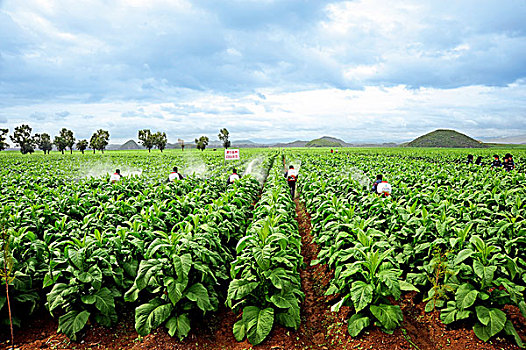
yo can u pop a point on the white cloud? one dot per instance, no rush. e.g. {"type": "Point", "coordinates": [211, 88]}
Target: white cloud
{"type": "Point", "coordinates": [385, 114]}
{"type": "Point", "coordinates": [269, 69]}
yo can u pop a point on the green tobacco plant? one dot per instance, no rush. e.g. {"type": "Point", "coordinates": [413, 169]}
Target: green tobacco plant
{"type": "Point", "coordinates": [86, 282]}
{"type": "Point", "coordinates": [265, 275]}
{"type": "Point", "coordinates": [484, 281]}
{"type": "Point", "coordinates": [366, 281]}
{"type": "Point", "coordinates": [22, 270]}
{"type": "Point", "coordinates": [182, 271]}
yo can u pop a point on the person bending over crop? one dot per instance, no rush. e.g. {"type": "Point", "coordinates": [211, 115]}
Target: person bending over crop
{"type": "Point", "coordinates": [116, 176]}
{"type": "Point", "coordinates": [175, 175]}
{"type": "Point", "coordinates": [496, 162]}
{"type": "Point", "coordinates": [508, 164]}
{"type": "Point", "coordinates": [381, 187]}
{"type": "Point", "coordinates": [292, 177]}
{"type": "Point", "coordinates": [469, 160]}
{"type": "Point", "coordinates": [233, 177]}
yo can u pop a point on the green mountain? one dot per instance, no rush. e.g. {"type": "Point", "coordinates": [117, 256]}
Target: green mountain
{"type": "Point", "coordinates": [130, 145]}
{"type": "Point", "coordinates": [326, 141]}
{"type": "Point", "coordinates": [446, 138]}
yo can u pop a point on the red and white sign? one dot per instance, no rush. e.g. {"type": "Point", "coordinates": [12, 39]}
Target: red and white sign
{"type": "Point", "coordinates": [231, 154]}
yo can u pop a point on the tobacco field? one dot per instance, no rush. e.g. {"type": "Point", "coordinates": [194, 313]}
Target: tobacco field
{"type": "Point", "coordinates": [84, 253]}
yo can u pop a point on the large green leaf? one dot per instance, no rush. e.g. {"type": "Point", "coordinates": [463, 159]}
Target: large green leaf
{"type": "Point", "coordinates": [199, 294]}
{"type": "Point", "coordinates": [76, 257]}
{"type": "Point", "coordinates": [262, 256]}
{"type": "Point", "coordinates": [179, 324]}
{"type": "Point", "coordinates": [182, 266]}
{"type": "Point", "coordinates": [54, 297]}
{"type": "Point", "coordinates": [510, 330]}
{"type": "Point", "coordinates": [174, 289]}
{"type": "Point", "coordinates": [279, 277]}
{"type": "Point", "coordinates": [151, 315]}
{"type": "Point", "coordinates": [290, 318]}
{"type": "Point", "coordinates": [449, 314]}
{"type": "Point", "coordinates": [72, 322]}
{"type": "Point", "coordinates": [102, 299]}
{"type": "Point", "coordinates": [280, 301]}
{"type": "Point", "coordinates": [239, 330]}
{"type": "Point", "coordinates": [390, 316]}
{"type": "Point", "coordinates": [492, 321]}
{"type": "Point", "coordinates": [358, 323]}
{"type": "Point", "coordinates": [465, 296]}
{"type": "Point", "coordinates": [407, 287]}
{"type": "Point", "coordinates": [484, 272]}
{"type": "Point", "coordinates": [238, 289]}
{"type": "Point", "coordinates": [132, 294]}
{"type": "Point", "coordinates": [361, 295]}
{"type": "Point", "coordinates": [463, 255]}
{"type": "Point", "coordinates": [258, 323]}
{"type": "Point", "coordinates": [147, 270]}
{"type": "Point", "coordinates": [522, 307]}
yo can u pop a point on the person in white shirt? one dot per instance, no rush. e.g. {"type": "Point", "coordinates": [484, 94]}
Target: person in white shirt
{"type": "Point", "coordinates": [292, 177]}
{"type": "Point", "coordinates": [175, 175]}
{"type": "Point", "coordinates": [116, 176]}
{"type": "Point", "coordinates": [233, 177]}
{"type": "Point", "coordinates": [381, 186]}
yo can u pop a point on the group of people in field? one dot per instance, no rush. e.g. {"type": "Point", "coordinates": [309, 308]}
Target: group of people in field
{"type": "Point", "coordinates": [291, 175]}
{"type": "Point", "coordinates": [380, 186]}
{"type": "Point", "coordinates": [507, 163]}
{"type": "Point", "coordinates": [173, 176]}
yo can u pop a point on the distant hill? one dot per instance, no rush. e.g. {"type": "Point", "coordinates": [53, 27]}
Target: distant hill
{"type": "Point", "coordinates": [297, 143]}
{"type": "Point", "coordinates": [130, 145]}
{"type": "Point", "coordinates": [326, 141]}
{"type": "Point", "coordinates": [446, 138]}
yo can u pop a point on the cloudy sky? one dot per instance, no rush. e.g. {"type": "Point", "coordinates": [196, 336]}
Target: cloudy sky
{"type": "Point", "coordinates": [268, 70]}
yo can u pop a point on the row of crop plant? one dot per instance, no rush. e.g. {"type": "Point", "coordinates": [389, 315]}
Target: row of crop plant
{"type": "Point", "coordinates": [460, 245]}
{"type": "Point", "coordinates": [87, 247]}
{"type": "Point", "coordinates": [266, 272]}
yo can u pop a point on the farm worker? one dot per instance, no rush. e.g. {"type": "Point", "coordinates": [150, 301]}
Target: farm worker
{"type": "Point", "coordinates": [292, 177]}
{"type": "Point", "coordinates": [470, 159]}
{"type": "Point", "coordinates": [381, 187]}
{"type": "Point", "coordinates": [508, 164]}
{"type": "Point", "coordinates": [116, 176]}
{"type": "Point", "coordinates": [331, 150]}
{"type": "Point", "coordinates": [174, 175]}
{"type": "Point", "coordinates": [496, 162]}
{"type": "Point", "coordinates": [233, 177]}
{"type": "Point", "coordinates": [479, 160]}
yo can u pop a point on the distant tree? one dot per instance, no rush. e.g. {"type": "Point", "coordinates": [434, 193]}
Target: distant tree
{"type": "Point", "coordinates": [3, 137]}
{"type": "Point", "coordinates": [59, 143]}
{"type": "Point", "coordinates": [99, 140]}
{"type": "Point", "coordinates": [65, 140]}
{"type": "Point", "coordinates": [202, 142]}
{"type": "Point", "coordinates": [160, 140]}
{"type": "Point", "coordinates": [82, 145]}
{"type": "Point", "coordinates": [93, 142]}
{"type": "Point", "coordinates": [67, 135]}
{"type": "Point", "coordinates": [223, 137]}
{"type": "Point", "coordinates": [146, 138]}
{"type": "Point", "coordinates": [22, 137]}
{"type": "Point", "coordinates": [43, 142]}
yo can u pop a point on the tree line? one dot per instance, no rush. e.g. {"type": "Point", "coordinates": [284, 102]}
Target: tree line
{"type": "Point", "coordinates": [23, 138]}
